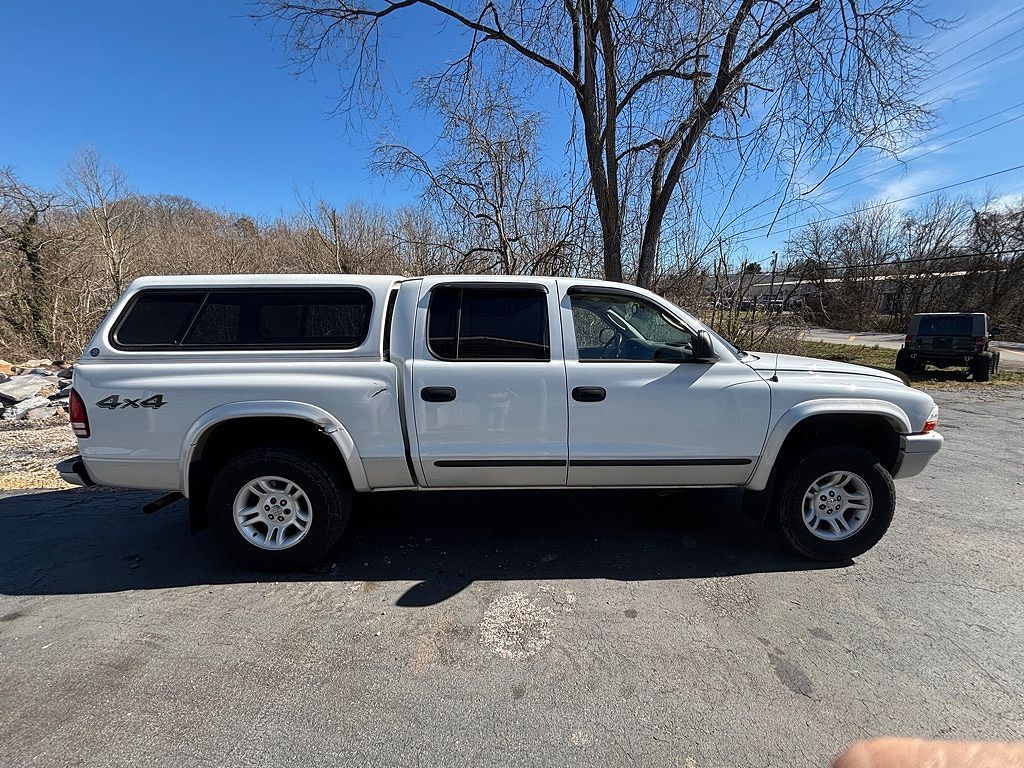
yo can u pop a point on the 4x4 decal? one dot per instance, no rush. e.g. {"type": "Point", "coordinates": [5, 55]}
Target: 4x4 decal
{"type": "Point", "coordinates": [114, 402]}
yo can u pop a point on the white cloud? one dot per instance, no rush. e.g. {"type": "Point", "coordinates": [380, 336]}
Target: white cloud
{"type": "Point", "coordinates": [1011, 200]}
{"type": "Point", "coordinates": [912, 183]}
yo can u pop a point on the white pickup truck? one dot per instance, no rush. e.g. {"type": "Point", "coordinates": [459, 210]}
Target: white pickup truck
{"type": "Point", "coordinates": [268, 400]}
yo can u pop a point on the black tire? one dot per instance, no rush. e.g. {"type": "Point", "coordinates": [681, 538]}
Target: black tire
{"type": "Point", "coordinates": [329, 497]}
{"type": "Point", "coordinates": [981, 366]}
{"type": "Point", "coordinates": [787, 511]}
{"type": "Point", "coordinates": [907, 364]}
{"type": "Point", "coordinates": [903, 361]}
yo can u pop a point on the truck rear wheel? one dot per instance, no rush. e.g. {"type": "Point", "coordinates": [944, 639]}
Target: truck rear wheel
{"type": "Point", "coordinates": [275, 509]}
{"type": "Point", "coordinates": [834, 504]}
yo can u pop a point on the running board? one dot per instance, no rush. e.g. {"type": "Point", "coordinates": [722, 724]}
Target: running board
{"type": "Point", "coordinates": [164, 501]}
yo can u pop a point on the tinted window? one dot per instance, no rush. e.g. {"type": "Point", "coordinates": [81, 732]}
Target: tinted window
{"type": "Point", "coordinates": [155, 319]}
{"type": "Point", "coordinates": [218, 323]}
{"type": "Point", "coordinates": [272, 319]}
{"type": "Point", "coordinates": [949, 325]}
{"type": "Point", "coordinates": [280, 321]}
{"type": "Point", "coordinates": [488, 324]}
{"type": "Point", "coordinates": [622, 327]}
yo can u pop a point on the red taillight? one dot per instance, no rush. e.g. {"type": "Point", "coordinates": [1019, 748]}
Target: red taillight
{"type": "Point", "coordinates": [76, 413]}
{"type": "Point", "coordinates": [932, 421]}
{"type": "Point", "coordinates": [909, 339]}
{"type": "Point", "coordinates": [979, 340]}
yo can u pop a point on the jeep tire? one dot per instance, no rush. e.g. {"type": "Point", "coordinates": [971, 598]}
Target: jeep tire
{"type": "Point", "coordinates": [982, 366]}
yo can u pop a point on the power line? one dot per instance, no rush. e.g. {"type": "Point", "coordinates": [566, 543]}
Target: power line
{"type": "Point", "coordinates": [924, 141]}
{"type": "Point", "coordinates": [944, 83]}
{"type": "Point", "coordinates": [930, 138]}
{"type": "Point", "coordinates": [924, 154]}
{"type": "Point", "coordinates": [884, 203]}
{"type": "Point", "coordinates": [972, 55]}
{"type": "Point", "coordinates": [868, 164]}
{"type": "Point", "coordinates": [995, 23]}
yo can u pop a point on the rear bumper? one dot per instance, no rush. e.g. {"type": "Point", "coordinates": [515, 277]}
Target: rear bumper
{"type": "Point", "coordinates": [73, 471]}
{"type": "Point", "coordinates": [944, 355]}
{"type": "Point", "coordinates": [915, 452]}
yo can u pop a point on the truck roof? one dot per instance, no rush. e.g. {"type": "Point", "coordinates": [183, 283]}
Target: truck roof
{"type": "Point", "coordinates": [261, 280]}
{"type": "Point", "coordinates": [370, 281]}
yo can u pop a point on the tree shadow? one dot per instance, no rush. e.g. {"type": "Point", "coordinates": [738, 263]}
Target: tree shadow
{"type": "Point", "coordinates": [89, 541]}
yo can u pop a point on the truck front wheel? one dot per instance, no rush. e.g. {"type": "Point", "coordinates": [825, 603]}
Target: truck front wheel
{"type": "Point", "coordinates": [275, 509]}
{"type": "Point", "coordinates": [834, 503]}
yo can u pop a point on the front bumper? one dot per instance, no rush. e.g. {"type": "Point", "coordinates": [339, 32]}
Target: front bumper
{"type": "Point", "coordinates": [916, 451]}
{"type": "Point", "coordinates": [73, 471]}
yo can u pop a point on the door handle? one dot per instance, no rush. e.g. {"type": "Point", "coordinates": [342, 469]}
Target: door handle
{"type": "Point", "coordinates": [588, 394]}
{"type": "Point", "coordinates": [438, 394]}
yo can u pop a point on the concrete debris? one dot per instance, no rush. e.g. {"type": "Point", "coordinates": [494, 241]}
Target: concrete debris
{"type": "Point", "coordinates": [22, 387]}
{"type": "Point", "coordinates": [35, 391]}
{"type": "Point", "coordinates": [22, 409]}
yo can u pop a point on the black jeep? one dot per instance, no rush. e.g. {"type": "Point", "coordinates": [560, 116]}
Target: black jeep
{"type": "Point", "coordinates": [947, 339]}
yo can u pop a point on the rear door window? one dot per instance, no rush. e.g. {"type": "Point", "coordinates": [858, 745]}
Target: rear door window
{"type": "Point", "coordinates": [471, 323]}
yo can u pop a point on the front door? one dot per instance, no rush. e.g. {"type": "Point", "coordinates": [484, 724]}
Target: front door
{"type": "Point", "coordinates": [642, 411]}
{"type": "Point", "coordinates": [489, 399]}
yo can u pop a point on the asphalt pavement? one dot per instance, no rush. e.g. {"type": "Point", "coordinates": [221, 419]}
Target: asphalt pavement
{"type": "Point", "coordinates": [520, 628]}
{"type": "Point", "coordinates": [1011, 356]}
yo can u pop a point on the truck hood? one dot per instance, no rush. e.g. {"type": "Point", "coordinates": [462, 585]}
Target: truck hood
{"type": "Point", "coordinates": [766, 364]}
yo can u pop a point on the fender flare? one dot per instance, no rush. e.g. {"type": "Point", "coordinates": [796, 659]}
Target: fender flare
{"type": "Point", "coordinates": [272, 408]}
{"type": "Point", "coordinates": [825, 406]}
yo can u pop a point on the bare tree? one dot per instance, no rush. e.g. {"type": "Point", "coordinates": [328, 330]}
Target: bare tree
{"type": "Point", "coordinates": [100, 193]}
{"type": "Point", "coordinates": [664, 87]}
{"type": "Point", "coordinates": [489, 188]}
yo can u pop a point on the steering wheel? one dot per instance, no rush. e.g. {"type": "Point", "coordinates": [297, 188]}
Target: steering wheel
{"type": "Point", "coordinates": [610, 349]}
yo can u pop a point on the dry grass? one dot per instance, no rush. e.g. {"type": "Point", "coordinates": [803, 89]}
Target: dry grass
{"type": "Point", "coordinates": [932, 378]}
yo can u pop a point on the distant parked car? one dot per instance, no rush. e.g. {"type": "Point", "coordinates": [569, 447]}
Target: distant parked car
{"type": "Point", "coordinates": [775, 306]}
{"type": "Point", "coordinates": [947, 339]}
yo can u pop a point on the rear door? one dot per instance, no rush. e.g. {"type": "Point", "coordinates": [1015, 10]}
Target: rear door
{"type": "Point", "coordinates": [488, 394]}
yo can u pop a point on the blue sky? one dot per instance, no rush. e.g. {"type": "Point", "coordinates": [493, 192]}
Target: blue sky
{"type": "Point", "coordinates": [194, 98]}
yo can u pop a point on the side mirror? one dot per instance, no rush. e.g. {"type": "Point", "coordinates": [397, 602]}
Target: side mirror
{"type": "Point", "coordinates": [704, 348]}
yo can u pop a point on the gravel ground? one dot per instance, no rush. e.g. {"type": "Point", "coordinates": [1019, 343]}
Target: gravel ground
{"type": "Point", "coordinates": [540, 628]}
{"type": "Point", "coordinates": [29, 451]}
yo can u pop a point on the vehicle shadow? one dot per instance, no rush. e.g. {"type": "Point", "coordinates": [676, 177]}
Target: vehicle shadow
{"type": "Point", "coordinates": [933, 375]}
{"type": "Point", "coordinates": [95, 541]}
